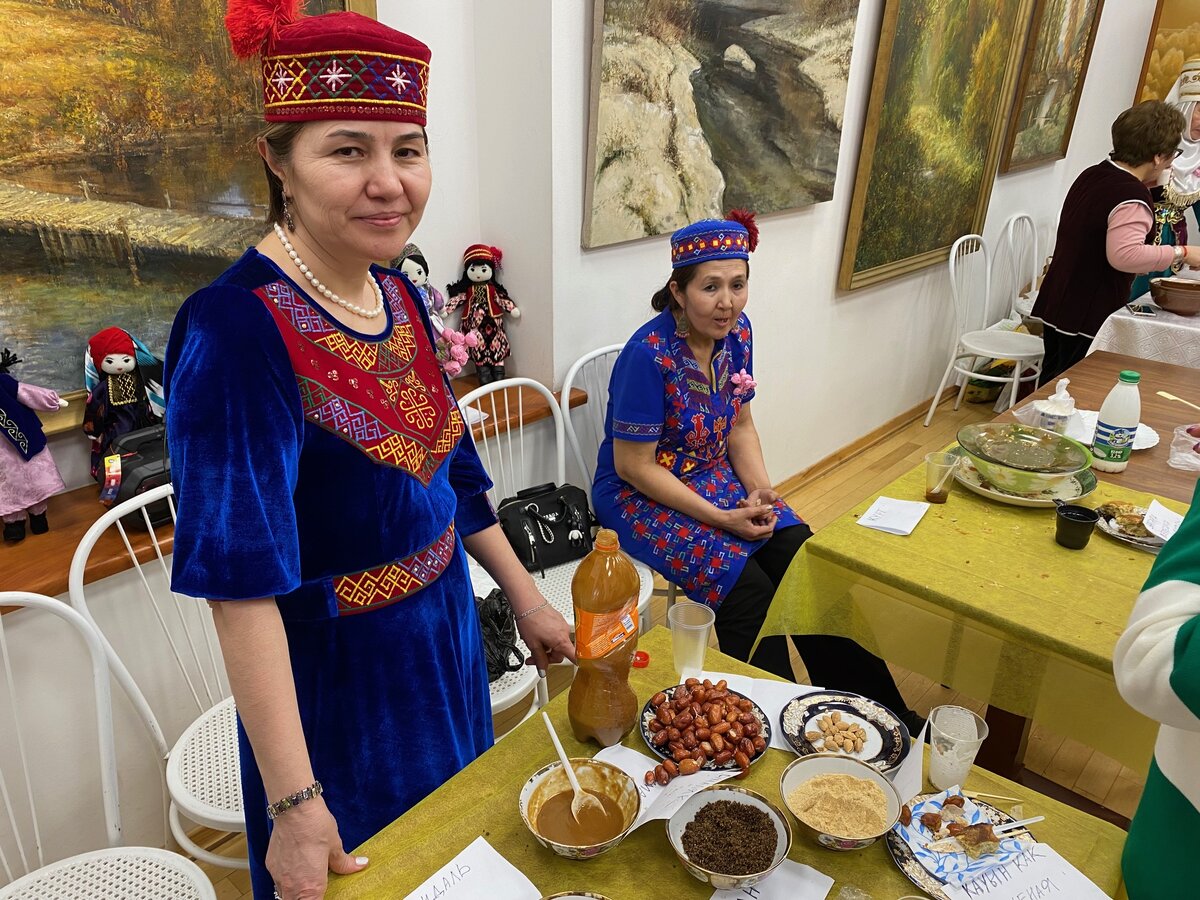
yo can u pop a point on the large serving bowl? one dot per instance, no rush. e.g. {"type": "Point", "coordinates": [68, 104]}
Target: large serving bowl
{"type": "Point", "coordinates": [593, 775]}
{"type": "Point", "coordinates": [1023, 459]}
{"type": "Point", "coordinates": [806, 767]}
{"type": "Point", "coordinates": [1178, 295]}
{"type": "Point", "coordinates": [683, 816]}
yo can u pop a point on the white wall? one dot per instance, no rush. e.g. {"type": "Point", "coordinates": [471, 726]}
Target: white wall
{"type": "Point", "coordinates": [831, 366]}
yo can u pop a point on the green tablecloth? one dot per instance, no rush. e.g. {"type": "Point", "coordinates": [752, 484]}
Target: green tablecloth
{"type": "Point", "coordinates": [482, 800]}
{"type": "Point", "coordinates": [988, 604]}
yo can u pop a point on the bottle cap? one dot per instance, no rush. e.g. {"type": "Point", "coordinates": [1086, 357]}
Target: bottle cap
{"type": "Point", "coordinates": [606, 539]}
{"type": "Point", "coordinates": [1130, 377]}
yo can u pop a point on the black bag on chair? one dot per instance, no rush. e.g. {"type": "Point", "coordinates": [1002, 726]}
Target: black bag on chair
{"type": "Point", "coordinates": [499, 627]}
{"type": "Point", "coordinates": [547, 525]}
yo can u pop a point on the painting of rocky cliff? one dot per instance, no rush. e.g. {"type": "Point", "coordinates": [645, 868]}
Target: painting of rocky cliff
{"type": "Point", "coordinates": [702, 106]}
{"type": "Point", "coordinates": [1174, 39]}
{"type": "Point", "coordinates": [1057, 53]}
{"type": "Point", "coordinates": [945, 73]}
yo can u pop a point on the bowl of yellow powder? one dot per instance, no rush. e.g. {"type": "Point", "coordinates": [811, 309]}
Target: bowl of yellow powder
{"type": "Point", "coordinates": [839, 802]}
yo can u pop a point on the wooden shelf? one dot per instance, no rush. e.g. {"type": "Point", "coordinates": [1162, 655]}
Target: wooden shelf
{"type": "Point", "coordinates": [41, 562]}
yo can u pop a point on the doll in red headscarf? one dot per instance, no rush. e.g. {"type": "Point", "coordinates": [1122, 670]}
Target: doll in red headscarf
{"type": "Point", "coordinates": [28, 475]}
{"type": "Point", "coordinates": [118, 403]}
{"type": "Point", "coordinates": [486, 304]}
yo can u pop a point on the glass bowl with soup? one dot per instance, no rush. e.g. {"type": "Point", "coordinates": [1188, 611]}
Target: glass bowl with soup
{"type": "Point", "coordinates": [840, 802]}
{"type": "Point", "coordinates": [545, 805]}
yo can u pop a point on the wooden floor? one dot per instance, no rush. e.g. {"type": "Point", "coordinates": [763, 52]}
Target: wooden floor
{"type": "Point", "coordinates": [821, 500]}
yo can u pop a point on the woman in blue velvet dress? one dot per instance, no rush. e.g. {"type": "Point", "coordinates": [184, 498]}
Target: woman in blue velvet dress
{"type": "Point", "coordinates": [681, 477]}
{"type": "Point", "coordinates": [325, 489]}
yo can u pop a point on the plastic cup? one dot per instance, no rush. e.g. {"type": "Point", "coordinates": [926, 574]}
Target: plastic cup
{"type": "Point", "coordinates": [1075, 525]}
{"type": "Point", "coordinates": [691, 625]}
{"type": "Point", "coordinates": [955, 736]}
{"type": "Point", "coordinates": [939, 472]}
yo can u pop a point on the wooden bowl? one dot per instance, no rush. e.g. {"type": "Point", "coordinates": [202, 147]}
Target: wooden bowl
{"type": "Point", "coordinates": [1176, 295]}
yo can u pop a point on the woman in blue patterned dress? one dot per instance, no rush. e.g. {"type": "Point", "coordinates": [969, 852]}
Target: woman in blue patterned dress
{"type": "Point", "coordinates": [681, 476]}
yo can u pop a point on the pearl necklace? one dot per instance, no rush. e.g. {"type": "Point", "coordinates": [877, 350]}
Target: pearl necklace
{"type": "Point", "coordinates": [320, 287]}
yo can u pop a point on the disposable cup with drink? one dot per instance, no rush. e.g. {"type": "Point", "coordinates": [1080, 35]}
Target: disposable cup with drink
{"type": "Point", "coordinates": [939, 471]}
{"type": "Point", "coordinates": [955, 735]}
{"type": "Point", "coordinates": [691, 625]}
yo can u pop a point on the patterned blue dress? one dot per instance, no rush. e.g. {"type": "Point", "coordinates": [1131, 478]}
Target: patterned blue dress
{"type": "Point", "coordinates": [659, 392]}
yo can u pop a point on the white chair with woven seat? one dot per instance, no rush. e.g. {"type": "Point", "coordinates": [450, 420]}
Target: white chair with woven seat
{"type": "Point", "coordinates": [585, 424]}
{"type": "Point", "coordinates": [201, 766]}
{"type": "Point", "coordinates": [971, 292]}
{"type": "Point", "coordinates": [128, 873]}
{"type": "Point", "coordinates": [508, 456]}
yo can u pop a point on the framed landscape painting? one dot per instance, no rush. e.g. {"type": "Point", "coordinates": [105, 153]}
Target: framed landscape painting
{"type": "Point", "coordinates": [1057, 52]}
{"type": "Point", "coordinates": [701, 107]}
{"type": "Point", "coordinates": [1174, 39]}
{"type": "Point", "coordinates": [128, 174]}
{"type": "Point", "coordinates": [944, 74]}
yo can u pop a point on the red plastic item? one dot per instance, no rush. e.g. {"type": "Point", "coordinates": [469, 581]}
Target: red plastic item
{"type": "Point", "coordinates": [641, 659]}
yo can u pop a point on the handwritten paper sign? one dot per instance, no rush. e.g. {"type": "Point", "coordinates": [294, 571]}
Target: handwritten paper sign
{"type": "Point", "coordinates": [479, 871]}
{"type": "Point", "coordinates": [791, 881]}
{"type": "Point", "coordinates": [1160, 521]}
{"type": "Point", "coordinates": [893, 516]}
{"type": "Point", "coordinates": [1037, 874]}
{"type": "Point", "coordinates": [658, 801]}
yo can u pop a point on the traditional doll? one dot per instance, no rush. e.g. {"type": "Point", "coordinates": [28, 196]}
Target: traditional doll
{"type": "Point", "coordinates": [28, 475]}
{"type": "Point", "coordinates": [411, 262]}
{"type": "Point", "coordinates": [486, 303]}
{"type": "Point", "coordinates": [118, 403]}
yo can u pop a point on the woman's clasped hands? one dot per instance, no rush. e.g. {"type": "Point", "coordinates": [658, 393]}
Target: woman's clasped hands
{"type": "Point", "coordinates": [754, 516]}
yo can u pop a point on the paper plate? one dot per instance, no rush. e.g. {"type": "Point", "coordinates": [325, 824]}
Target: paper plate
{"type": "Point", "coordinates": [1068, 490]}
{"type": "Point", "coordinates": [1113, 530]}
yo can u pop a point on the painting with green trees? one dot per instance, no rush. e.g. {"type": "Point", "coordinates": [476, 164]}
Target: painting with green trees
{"type": "Point", "coordinates": [944, 74]}
{"type": "Point", "coordinates": [128, 174]}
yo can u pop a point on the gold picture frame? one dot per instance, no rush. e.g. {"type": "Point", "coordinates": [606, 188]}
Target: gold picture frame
{"type": "Point", "coordinates": [899, 209]}
{"type": "Point", "coordinates": [1174, 38]}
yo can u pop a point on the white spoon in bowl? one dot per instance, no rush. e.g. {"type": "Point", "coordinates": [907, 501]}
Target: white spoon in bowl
{"type": "Point", "coordinates": [581, 799]}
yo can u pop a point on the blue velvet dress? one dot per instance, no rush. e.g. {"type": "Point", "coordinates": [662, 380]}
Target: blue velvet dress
{"type": "Point", "coordinates": [327, 469]}
{"type": "Point", "coordinates": [658, 392]}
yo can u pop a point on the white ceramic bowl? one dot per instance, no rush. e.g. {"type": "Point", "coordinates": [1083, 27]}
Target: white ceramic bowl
{"type": "Point", "coordinates": [684, 815]}
{"type": "Point", "coordinates": [806, 767]}
{"type": "Point", "coordinates": [592, 775]}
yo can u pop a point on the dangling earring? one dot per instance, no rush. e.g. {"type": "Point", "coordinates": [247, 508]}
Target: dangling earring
{"type": "Point", "coordinates": [682, 326]}
{"type": "Point", "coordinates": [287, 215]}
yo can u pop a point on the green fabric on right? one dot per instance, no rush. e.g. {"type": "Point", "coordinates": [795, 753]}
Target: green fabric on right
{"type": "Point", "coordinates": [1160, 858]}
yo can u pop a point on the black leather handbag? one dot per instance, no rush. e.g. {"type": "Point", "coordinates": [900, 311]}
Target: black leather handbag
{"type": "Point", "coordinates": [547, 525]}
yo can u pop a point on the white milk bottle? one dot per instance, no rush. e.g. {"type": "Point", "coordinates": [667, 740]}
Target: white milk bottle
{"type": "Point", "coordinates": [1117, 424]}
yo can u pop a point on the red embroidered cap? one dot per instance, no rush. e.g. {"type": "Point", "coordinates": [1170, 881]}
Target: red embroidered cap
{"type": "Point", "coordinates": [338, 65]}
{"type": "Point", "coordinates": [477, 252]}
{"type": "Point", "coordinates": [110, 340]}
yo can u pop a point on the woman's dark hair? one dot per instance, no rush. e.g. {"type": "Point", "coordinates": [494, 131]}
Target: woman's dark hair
{"type": "Point", "coordinates": [280, 136]}
{"type": "Point", "coordinates": [1142, 132]}
{"type": "Point", "coordinates": [681, 278]}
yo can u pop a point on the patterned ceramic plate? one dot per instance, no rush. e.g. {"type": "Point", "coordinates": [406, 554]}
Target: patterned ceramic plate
{"type": "Point", "coordinates": [764, 728]}
{"type": "Point", "coordinates": [1068, 490]}
{"type": "Point", "coordinates": [1117, 533]}
{"type": "Point", "coordinates": [887, 740]}
{"type": "Point", "coordinates": [932, 871]}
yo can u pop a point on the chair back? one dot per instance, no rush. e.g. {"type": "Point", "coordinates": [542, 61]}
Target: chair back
{"type": "Point", "coordinates": [513, 458]}
{"type": "Point", "coordinates": [183, 624]}
{"type": "Point", "coordinates": [1023, 260]}
{"type": "Point", "coordinates": [23, 822]}
{"type": "Point", "coordinates": [970, 283]}
{"type": "Point", "coordinates": [585, 424]}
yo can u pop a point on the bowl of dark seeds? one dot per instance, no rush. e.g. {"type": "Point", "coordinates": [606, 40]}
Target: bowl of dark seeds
{"type": "Point", "coordinates": [729, 837]}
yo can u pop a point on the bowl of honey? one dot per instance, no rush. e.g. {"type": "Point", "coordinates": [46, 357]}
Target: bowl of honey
{"type": "Point", "coordinates": [545, 805]}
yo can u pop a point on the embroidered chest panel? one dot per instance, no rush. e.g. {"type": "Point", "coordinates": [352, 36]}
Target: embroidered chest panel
{"type": "Point", "coordinates": [386, 397]}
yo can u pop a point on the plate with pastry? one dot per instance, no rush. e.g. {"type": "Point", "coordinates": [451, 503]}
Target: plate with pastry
{"type": "Point", "coordinates": [1124, 522]}
{"type": "Point", "coordinates": [947, 838]}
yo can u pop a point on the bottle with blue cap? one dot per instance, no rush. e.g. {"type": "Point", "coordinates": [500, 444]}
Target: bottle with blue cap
{"type": "Point", "coordinates": [1117, 424]}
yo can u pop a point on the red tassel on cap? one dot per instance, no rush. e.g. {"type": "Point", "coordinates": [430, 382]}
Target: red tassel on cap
{"type": "Point", "coordinates": [497, 255]}
{"type": "Point", "coordinates": [252, 24]}
{"type": "Point", "coordinates": [745, 218]}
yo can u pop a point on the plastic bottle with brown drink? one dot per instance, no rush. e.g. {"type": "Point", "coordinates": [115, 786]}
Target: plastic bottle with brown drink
{"type": "Point", "coordinates": [602, 707]}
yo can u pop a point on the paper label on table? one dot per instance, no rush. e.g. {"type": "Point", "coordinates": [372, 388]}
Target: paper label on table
{"type": "Point", "coordinates": [910, 777]}
{"type": "Point", "coordinates": [659, 802]}
{"type": "Point", "coordinates": [1160, 521]}
{"type": "Point", "coordinates": [791, 881]}
{"type": "Point", "coordinates": [894, 516]}
{"type": "Point", "coordinates": [1039, 873]}
{"type": "Point", "coordinates": [479, 871]}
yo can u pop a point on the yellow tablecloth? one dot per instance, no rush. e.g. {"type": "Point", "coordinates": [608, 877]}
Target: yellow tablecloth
{"type": "Point", "coordinates": [482, 800]}
{"type": "Point", "coordinates": [980, 597]}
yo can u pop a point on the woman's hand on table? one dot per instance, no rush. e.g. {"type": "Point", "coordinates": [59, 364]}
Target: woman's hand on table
{"type": "Point", "coordinates": [304, 847]}
{"type": "Point", "coordinates": [546, 634]}
{"type": "Point", "coordinates": [750, 522]}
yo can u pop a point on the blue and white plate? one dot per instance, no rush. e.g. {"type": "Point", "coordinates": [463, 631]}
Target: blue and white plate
{"type": "Point", "coordinates": [931, 871]}
{"type": "Point", "coordinates": [887, 742]}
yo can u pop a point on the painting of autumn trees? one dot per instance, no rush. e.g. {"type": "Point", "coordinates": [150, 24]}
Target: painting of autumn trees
{"type": "Point", "coordinates": [1174, 39]}
{"type": "Point", "coordinates": [943, 77]}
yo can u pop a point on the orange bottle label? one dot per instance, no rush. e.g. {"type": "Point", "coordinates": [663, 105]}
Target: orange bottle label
{"type": "Point", "coordinates": [596, 634]}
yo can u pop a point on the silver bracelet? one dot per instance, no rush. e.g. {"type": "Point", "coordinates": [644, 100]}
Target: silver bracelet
{"type": "Point", "coordinates": [530, 612]}
{"type": "Point", "coordinates": [274, 810]}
